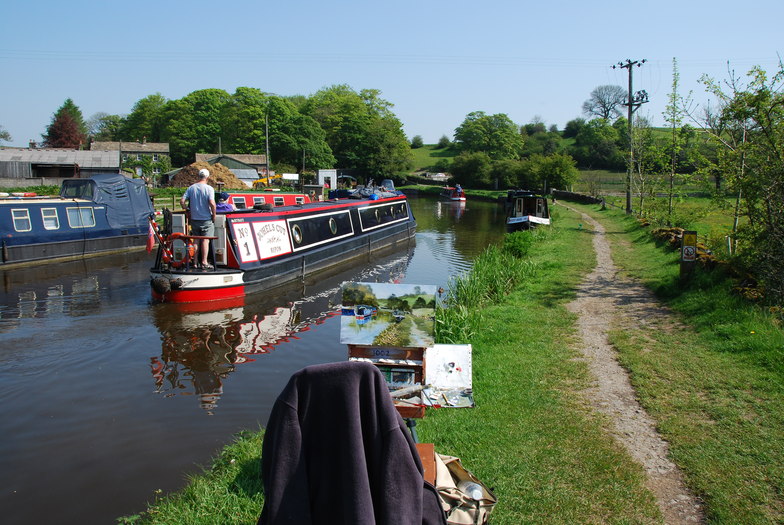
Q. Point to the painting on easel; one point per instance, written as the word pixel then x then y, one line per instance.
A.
pixel 384 314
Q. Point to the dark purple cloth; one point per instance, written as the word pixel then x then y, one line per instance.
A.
pixel 337 452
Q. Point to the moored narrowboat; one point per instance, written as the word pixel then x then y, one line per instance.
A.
pixel 258 248
pixel 101 214
pixel 525 210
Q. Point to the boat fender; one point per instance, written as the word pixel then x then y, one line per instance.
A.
pixel 161 285
pixel 175 284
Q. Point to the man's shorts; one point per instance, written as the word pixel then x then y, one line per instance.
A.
pixel 203 228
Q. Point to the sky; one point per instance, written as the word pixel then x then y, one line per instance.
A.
pixel 436 61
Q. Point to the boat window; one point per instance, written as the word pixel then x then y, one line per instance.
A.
pixel 296 233
pixel 258 200
pixel 279 201
pixel 540 207
pixel 333 225
pixel 239 202
pixel 50 218
pixel 22 220
pixel 299 200
pixel 519 206
pixel 80 217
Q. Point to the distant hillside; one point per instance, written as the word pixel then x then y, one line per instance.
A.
pixel 430 158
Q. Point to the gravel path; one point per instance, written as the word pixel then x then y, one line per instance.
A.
pixel 605 301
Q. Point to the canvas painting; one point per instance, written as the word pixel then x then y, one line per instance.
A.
pixel 387 314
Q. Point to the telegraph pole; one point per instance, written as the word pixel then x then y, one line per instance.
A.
pixel 635 101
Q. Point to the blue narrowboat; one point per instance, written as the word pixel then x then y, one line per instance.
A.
pixel 102 214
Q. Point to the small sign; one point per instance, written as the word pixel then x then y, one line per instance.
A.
pixel 689 246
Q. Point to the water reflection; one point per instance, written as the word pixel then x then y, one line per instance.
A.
pixel 73 290
pixel 200 349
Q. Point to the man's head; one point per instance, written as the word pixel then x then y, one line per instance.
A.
pixel 204 173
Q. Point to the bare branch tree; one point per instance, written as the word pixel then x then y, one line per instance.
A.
pixel 605 101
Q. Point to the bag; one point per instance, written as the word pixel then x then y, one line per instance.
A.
pixel 452 484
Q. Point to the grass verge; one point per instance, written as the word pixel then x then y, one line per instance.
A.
pixel 713 380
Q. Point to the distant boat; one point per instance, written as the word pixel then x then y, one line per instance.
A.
pixel 105 213
pixel 525 210
pixel 452 193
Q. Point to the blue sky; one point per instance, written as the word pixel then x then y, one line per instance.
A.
pixel 435 60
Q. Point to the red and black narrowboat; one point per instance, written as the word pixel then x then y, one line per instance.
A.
pixel 263 246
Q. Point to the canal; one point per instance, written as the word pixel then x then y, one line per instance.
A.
pixel 108 397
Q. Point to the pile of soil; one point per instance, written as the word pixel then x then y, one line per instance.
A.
pixel 218 173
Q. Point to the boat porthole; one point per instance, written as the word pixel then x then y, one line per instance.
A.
pixel 378 216
pixel 296 232
pixel 333 225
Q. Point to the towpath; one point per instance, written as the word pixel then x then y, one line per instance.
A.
pixel 605 301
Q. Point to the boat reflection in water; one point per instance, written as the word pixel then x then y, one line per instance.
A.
pixel 453 209
pixel 202 345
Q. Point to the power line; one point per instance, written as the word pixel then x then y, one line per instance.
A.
pixel 635 101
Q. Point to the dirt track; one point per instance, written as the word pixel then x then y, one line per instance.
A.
pixel 604 301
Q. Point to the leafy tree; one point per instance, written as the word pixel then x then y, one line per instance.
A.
pixel 63 132
pixel 496 135
pixel 752 140
pixel 596 146
pixel 550 171
pixel 361 130
pixel 604 102
pixel 508 173
pixel 573 127
pixel 535 126
pixel 5 135
pixel 146 120
pixel 417 142
pixel 194 123
pixel 472 169
pixel 67 129
pixel 104 127
pixel 443 142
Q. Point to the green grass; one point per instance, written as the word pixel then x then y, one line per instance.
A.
pixel 713 382
pixel 426 156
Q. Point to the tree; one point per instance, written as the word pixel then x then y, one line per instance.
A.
pixel 194 123
pixel 443 142
pixel 145 120
pixel 597 146
pixel 104 127
pixel 550 171
pixel 67 128
pixel 361 130
pixel 673 115
pixel 472 169
pixel 573 127
pixel 417 142
pixel 604 102
pixel 496 135
pixel 63 132
pixel 752 139
pixel 4 135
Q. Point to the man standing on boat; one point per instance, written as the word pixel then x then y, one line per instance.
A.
pixel 201 203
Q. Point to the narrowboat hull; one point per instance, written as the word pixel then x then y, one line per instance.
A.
pixel 258 250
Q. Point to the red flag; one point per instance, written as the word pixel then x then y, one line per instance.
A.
pixel 150 238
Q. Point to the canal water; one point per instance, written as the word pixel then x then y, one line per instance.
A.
pixel 108 397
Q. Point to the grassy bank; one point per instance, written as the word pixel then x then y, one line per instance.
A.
pixel 713 381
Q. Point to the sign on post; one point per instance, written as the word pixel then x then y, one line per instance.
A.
pixel 688 252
